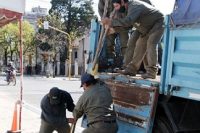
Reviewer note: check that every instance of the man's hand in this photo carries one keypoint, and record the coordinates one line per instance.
(106, 21)
(111, 31)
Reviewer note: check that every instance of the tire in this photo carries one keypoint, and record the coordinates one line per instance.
(162, 125)
(14, 80)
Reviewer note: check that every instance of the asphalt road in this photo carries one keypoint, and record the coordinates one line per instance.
(34, 88)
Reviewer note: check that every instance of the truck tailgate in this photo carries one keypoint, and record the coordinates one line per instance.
(134, 103)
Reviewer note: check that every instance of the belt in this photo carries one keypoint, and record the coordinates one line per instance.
(103, 121)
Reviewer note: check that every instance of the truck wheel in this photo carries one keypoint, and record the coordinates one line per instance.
(162, 125)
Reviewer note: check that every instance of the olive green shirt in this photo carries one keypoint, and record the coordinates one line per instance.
(140, 15)
(96, 103)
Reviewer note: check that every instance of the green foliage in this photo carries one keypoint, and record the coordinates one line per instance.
(50, 39)
(45, 46)
(51, 36)
(71, 16)
(40, 30)
(76, 14)
(9, 37)
(28, 33)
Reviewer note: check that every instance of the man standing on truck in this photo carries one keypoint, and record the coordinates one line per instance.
(131, 44)
(53, 116)
(96, 104)
(149, 22)
(121, 32)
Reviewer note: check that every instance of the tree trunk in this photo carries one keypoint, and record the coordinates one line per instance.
(6, 56)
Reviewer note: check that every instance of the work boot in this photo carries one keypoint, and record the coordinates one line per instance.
(126, 72)
(148, 76)
(119, 68)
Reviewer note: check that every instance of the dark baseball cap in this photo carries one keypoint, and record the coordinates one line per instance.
(54, 95)
(86, 77)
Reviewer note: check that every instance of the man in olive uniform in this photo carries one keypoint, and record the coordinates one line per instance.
(53, 116)
(96, 104)
(131, 44)
(122, 32)
(149, 22)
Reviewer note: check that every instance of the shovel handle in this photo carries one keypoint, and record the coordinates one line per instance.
(73, 126)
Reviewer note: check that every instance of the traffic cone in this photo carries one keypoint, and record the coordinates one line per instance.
(15, 124)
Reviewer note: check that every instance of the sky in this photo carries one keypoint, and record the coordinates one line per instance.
(165, 6)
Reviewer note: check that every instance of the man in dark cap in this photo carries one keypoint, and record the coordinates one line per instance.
(53, 116)
(96, 104)
(149, 23)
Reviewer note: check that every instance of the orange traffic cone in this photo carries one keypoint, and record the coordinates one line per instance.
(15, 126)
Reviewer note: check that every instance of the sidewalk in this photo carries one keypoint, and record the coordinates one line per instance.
(30, 120)
(7, 104)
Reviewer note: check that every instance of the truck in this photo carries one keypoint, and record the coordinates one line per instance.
(171, 102)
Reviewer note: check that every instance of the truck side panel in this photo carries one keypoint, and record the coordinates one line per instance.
(183, 63)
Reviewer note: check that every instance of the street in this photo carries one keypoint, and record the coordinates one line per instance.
(34, 88)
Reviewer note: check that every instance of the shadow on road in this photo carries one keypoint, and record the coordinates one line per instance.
(3, 84)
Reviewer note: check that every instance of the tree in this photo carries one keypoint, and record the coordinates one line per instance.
(28, 33)
(76, 16)
(51, 39)
(9, 39)
(4, 44)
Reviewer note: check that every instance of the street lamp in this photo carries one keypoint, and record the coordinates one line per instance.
(46, 26)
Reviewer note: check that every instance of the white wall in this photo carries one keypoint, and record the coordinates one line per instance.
(83, 45)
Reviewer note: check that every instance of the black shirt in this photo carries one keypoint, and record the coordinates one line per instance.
(56, 114)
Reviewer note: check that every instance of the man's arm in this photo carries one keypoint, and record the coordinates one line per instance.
(79, 109)
(70, 102)
(133, 14)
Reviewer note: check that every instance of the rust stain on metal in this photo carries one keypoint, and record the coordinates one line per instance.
(124, 104)
(128, 95)
(133, 96)
(131, 119)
